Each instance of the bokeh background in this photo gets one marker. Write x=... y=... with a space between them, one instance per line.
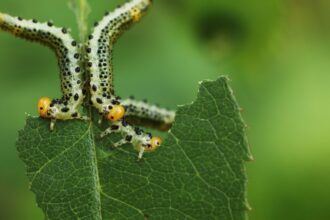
x=277 y=53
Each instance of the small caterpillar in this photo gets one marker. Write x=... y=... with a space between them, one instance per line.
x=143 y=142
x=67 y=52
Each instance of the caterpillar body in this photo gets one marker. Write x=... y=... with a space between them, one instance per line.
x=99 y=55
x=143 y=142
x=144 y=110
x=99 y=52
x=68 y=55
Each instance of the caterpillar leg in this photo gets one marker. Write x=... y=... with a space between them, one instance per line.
x=52 y=124
x=123 y=141
x=142 y=149
x=112 y=129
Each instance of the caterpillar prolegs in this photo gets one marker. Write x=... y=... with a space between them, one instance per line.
x=68 y=55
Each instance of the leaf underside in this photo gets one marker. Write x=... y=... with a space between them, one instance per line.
x=198 y=173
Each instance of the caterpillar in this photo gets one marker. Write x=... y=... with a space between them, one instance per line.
x=68 y=55
x=99 y=55
x=143 y=142
x=99 y=61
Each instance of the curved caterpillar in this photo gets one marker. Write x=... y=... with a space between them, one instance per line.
x=99 y=55
x=99 y=52
x=67 y=52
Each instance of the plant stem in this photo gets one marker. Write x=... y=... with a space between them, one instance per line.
x=81 y=9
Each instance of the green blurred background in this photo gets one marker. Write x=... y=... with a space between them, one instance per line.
x=277 y=53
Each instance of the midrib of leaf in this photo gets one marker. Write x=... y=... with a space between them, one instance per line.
x=97 y=174
x=81 y=8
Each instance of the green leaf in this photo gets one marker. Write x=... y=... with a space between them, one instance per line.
x=198 y=173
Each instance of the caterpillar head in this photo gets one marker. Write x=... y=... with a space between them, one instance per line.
x=155 y=142
x=116 y=113
x=44 y=106
x=139 y=10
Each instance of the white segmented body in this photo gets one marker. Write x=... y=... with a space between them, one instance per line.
x=138 y=138
x=99 y=51
x=67 y=52
x=145 y=110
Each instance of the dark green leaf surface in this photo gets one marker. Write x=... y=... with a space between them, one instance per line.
x=198 y=173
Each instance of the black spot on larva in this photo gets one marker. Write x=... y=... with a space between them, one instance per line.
x=90 y=37
x=106 y=13
x=149 y=134
x=84 y=91
x=115 y=102
x=94 y=88
x=74 y=43
x=65 y=109
x=124 y=122
x=78 y=81
x=110 y=107
x=74 y=115
x=99 y=100
x=114 y=127
x=76 y=56
x=104 y=95
x=138 y=131
x=76 y=97
x=128 y=138
x=34 y=21
x=96 y=23
x=50 y=24
x=64 y=30
x=19 y=18
x=77 y=69
x=88 y=50
x=90 y=64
